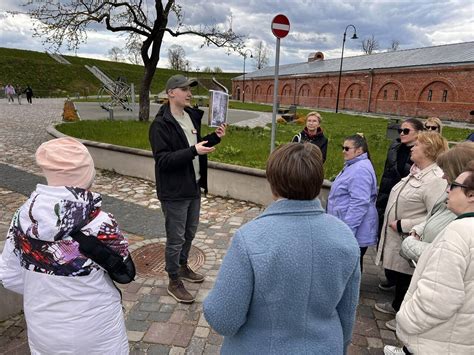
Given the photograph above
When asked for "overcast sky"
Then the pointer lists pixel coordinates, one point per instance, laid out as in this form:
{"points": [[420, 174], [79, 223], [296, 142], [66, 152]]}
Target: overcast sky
{"points": [[315, 26]]}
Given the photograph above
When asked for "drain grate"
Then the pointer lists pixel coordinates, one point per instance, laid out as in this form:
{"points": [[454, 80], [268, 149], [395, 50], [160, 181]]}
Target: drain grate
{"points": [[150, 259]]}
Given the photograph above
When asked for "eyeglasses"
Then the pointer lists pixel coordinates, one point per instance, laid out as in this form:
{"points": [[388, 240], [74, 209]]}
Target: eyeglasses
{"points": [[455, 184], [432, 128], [405, 131], [346, 149]]}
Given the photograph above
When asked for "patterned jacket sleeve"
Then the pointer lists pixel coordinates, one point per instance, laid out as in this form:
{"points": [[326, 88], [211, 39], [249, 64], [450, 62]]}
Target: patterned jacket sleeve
{"points": [[106, 228], [11, 272]]}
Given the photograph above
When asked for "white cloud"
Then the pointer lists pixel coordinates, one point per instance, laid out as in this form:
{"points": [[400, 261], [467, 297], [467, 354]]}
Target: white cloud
{"points": [[315, 26]]}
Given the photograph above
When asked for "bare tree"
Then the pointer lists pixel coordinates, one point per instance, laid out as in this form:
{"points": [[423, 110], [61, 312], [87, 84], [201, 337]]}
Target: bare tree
{"points": [[177, 57], [369, 45], [261, 56], [116, 54], [217, 70], [65, 23], [207, 70], [394, 45], [133, 50]]}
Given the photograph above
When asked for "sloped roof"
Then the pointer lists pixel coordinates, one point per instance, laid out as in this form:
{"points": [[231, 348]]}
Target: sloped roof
{"points": [[459, 53]]}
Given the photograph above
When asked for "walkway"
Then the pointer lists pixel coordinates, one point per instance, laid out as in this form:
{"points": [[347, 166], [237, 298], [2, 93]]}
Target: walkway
{"points": [[156, 324]]}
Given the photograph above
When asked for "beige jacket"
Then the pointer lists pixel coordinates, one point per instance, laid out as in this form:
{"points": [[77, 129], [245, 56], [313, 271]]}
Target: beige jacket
{"points": [[437, 314], [410, 201]]}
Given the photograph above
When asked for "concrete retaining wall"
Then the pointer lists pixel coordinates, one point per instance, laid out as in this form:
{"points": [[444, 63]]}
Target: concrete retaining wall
{"points": [[225, 180]]}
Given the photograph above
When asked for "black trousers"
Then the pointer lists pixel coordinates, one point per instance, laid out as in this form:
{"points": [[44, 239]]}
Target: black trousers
{"points": [[402, 282]]}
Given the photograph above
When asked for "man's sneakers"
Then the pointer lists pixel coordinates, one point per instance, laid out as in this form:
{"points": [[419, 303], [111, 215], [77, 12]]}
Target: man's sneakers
{"points": [[393, 350], [187, 274], [177, 290], [386, 286], [385, 308]]}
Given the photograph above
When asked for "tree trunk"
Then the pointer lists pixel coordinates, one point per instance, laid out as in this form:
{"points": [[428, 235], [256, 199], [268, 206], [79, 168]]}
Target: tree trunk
{"points": [[144, 106]]}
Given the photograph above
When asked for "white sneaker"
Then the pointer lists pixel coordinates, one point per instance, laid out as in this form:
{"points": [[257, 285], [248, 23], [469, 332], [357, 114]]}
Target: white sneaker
{"points": [[393, 350], [392, 325]]}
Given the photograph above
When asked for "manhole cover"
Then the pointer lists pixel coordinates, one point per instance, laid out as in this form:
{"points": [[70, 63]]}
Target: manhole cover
{"points": [[150, 259]]}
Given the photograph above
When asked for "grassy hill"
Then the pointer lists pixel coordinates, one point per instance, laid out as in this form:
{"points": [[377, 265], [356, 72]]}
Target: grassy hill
{"points": [[49, 78]]}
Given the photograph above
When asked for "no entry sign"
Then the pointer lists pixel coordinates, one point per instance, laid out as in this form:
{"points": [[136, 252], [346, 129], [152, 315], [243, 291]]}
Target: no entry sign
{"points": [[280, 26]]}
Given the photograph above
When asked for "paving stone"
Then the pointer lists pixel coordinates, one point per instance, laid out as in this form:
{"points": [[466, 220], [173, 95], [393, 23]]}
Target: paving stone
{"points": [[162, 333], [211, 349], [158, 350], [177, 351], [137, 315], [388, 334], [196, 346], [215, 339], [135, 336], [201, 332], [137, 326], [183, 336], [374, 342], [150, 307], [159, 316]]}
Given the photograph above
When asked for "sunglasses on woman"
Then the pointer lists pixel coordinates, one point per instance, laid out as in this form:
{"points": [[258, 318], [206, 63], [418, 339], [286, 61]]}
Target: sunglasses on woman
{"points": [[346, 149], [405, 131], [455, 184], [431, 128]]}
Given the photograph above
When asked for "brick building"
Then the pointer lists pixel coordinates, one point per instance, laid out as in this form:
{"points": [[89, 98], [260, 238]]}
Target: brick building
{"points": [[430, 81]]}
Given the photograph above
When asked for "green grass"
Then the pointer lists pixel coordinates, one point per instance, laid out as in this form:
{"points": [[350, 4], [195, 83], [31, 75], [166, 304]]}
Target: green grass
{"points": [[49, 78], [251, 147]]}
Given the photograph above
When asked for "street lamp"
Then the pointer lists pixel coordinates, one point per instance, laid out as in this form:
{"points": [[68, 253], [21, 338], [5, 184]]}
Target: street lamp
{"points": [[197, 78], [342, 58], [245, 57]]}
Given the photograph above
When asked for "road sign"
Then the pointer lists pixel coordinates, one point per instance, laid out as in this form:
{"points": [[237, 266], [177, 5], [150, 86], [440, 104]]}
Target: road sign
{"points": [[280, 26]]}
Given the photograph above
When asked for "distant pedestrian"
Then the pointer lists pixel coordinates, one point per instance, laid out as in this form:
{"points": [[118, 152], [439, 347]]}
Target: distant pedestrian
{"points": [[313, 133], [9, 93], [19, 91], [181, 171], [289, 283], [29, 94]]}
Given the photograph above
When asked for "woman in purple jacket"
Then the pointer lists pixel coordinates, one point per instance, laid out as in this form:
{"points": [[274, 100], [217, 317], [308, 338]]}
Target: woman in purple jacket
{"points": [[354, 192]]}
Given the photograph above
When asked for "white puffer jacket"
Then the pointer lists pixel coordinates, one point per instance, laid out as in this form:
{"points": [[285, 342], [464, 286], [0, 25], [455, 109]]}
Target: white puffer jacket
{"points": [[71, 305], [437, 314]]}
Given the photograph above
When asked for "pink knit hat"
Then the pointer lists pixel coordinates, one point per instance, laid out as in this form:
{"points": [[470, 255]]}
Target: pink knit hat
{"points": [[66, 162]]}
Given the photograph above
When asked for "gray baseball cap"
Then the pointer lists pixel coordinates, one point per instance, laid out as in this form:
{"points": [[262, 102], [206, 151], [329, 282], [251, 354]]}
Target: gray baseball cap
{"points": [[179, 81]]}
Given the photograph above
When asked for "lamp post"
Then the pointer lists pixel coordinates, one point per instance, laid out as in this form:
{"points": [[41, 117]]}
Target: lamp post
{"points": [[342, 58], [243, 84]]}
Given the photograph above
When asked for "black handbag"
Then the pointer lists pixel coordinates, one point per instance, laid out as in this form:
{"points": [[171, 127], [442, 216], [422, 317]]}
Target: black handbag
{"points": [[119, 270]]}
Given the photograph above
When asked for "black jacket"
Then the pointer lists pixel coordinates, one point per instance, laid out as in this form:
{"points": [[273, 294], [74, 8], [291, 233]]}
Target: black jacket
{"points": [[174, 172], [319, 139], [397, 166]]}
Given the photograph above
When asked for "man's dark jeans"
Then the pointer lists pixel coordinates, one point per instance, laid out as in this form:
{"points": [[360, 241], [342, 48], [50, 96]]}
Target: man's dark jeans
{"points": [[181, 222]]}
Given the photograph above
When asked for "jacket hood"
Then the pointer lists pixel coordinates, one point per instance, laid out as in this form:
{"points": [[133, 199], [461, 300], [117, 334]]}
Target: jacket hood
{"points": [[53, 212], [363, 156]]}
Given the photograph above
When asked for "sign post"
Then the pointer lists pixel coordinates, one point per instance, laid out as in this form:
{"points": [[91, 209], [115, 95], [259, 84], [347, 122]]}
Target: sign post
{"points": [[280, 28]]}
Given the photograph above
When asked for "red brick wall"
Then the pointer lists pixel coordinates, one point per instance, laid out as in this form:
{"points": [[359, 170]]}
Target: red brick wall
{"points": [[403, 92]]}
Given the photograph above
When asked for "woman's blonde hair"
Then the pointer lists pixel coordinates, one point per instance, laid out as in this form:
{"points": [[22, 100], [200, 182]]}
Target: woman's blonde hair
{"points": [[316, 114], [434, 121], [434, 143], [454, 161]]}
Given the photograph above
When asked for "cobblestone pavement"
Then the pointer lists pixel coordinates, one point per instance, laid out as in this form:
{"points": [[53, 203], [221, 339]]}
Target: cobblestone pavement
{"points": [[156, 324]]}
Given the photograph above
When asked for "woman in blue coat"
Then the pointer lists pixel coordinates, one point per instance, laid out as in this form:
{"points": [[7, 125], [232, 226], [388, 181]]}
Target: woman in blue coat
{"points": [[289, 283], [354, 193]]}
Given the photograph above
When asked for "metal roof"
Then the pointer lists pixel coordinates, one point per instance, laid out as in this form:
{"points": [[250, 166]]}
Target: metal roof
{"points": [[459, 53]]}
